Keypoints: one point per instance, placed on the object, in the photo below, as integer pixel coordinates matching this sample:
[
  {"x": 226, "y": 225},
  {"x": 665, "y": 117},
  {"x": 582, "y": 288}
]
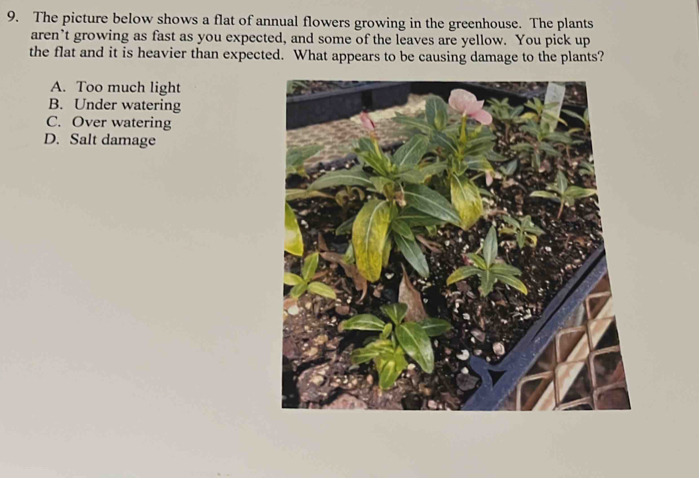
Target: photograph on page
[{"x": 444, "y": 249}]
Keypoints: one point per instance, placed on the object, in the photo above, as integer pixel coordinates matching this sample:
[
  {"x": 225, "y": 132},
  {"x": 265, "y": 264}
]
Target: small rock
[
  {"x": 320, "y": 340},
  {"x": 432, "y": 405},
  {"x": 346, "y": 402},
  {"x": 411, "y": 366},
  {"x": 342, "y": 309},
  {"x": 477, "y": 352},
  {"x": 293, "y": 310},
  {"x": 370, "y": 379},
  {"x": 464, "y": 355},
  {"x": 465, "y": 371},
  {"x": 478, "y": 334},
  {"x": 466, "y": 382},
  {"x": 499, "y": 348},
  {"x": 317, "y": 380},
  {"x": 312, "y": 352}
]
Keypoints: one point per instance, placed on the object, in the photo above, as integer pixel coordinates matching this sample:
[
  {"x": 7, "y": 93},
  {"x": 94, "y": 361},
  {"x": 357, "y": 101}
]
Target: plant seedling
[
  {"x": 541, "y": 110},
  {"x": 561, "y": 192},
  {"x": 488, "y": 270},
  {"x": 585, "y": 118},
  {"x": 506, "y": 114},
  {"x": 524, "y": 231},
  {"x": 542, "y": 143},
  {"x": 395, "y": 339},
  {"x": 301, "y": 284},
  {"x": 587, "y": 169}
]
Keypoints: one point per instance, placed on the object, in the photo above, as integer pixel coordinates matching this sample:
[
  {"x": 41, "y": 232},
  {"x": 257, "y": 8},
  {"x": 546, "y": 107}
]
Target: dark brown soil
[{"x": 316, "y": 355}]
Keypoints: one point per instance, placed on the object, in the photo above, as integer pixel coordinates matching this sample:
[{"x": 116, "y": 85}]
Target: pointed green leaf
[
  {"x": 413, "y": 254},
  {"x": 466, "y": 200},
  {"x": 577, "y": 192},
  {"x": 561, "y": 182},
  {"x": 401, "y": 228},
  {"x": 411, "y": 152},
  {"x": 512, "y": 282},
  {"x": 298, "y": 290},
  {"x": 369, "y": 237},
  {"x": 292, "y": 279},
  {"x": 477, "y": 260},
  {"x": 363, "y": 355},
  {"x": 318, "y": 288},
  {"x": 487, "y": 282},
  {"x": 293, "y": 242},
  {"x": 424, "y": 199},
  {"x": 388, "y": 328},
  {"x": 345, "y": 227},
  {"x": 490, "y": 246},
  {"x": 395, "y": 312},
  {"x": 414, "y": 218},
  {"x": 545, "y": 195},
  {"x": 462, "y": 273},
  {"x": 435, "y": 327},
  {"x": 505, "y": 269},
  {"x": 391, "y": 369},
  {"x": 436, "y": 112},
  {"x": 364, "y": 322},
  {"x": 416, "y": 343},
  {"x": 343, "y": 177},
  {"x": 310, "y": 264}
]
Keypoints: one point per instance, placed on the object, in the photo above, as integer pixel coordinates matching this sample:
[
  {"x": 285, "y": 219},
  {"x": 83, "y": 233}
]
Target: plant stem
[{"x": 560, "y": 210}]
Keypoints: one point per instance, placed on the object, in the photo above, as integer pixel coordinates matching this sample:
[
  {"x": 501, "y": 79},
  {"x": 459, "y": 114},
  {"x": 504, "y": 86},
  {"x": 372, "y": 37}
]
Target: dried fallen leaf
[
  {"x": 432, "y": 246},
  {"x": 360, "y": 283},
  {"x": 409, "y": 295}
]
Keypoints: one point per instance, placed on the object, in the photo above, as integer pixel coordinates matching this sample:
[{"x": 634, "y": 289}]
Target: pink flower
[
  {"x": 367, "y": 122},
  {"x": 467, "y": 104}
]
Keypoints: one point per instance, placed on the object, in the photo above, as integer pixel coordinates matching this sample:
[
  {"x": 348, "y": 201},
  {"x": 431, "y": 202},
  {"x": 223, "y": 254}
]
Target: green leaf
[
  {"x": 561, "y": 183},
  {"x": 462, "y": 273},
  {"x": 477, "y": 260},
  {"x": 388, "y": 245},
  {"x": 369, "y": 237},
  {"x": 433, "y": 169},
  {"x": 545, "y": 195},
  {"x": 512, "y": 282},
  {"x": 490, "y": 246},
  {"x": 509, "y": 168},
  {"x": 435, "y": 327},
  {"x": 401, "y": 228},
  {"x": 511, "y": 221},
  {"x": 487, "y": 282},
  {"x": 296, "y": 194},
  {"x": 364, "y": 322},
  {"x": 395, "y": 312},
  {"x": 388, "y": 328},
  {"x": 413, "y": 254},
  {"x": 378, "y": 162},
  {"x": 414, "y": 218},
  {"x": 364, "y": 355},
  {"x": 416, "y": 343},
  {"x": 577, "y": 192},
  {"x": 411, "y": 152},
  {"x": 348, "y": 256},
  {"x": 293, "y": 242},
  {"x": 298, "y": 290},
  {"x": 292, "y": 279},
  {"x": 413, "y": 123},
  {"x": 295, "y": 157},
  {"x": 380, "y": 183},
  {"x": 505, "y": 269},
  {"x": 391, "y": 369},
  {"x": 549, "y": 150},
  {"x": 345, "y": 227},
  {"x": 467, "y": 201},
  {"x": 318, "y": 288},
  {"x": 477, "y": 163},
  {"x": 412, "y": 176},
  {"x": 424, "y": 199},
  {"x": 445, "y": 142},
  {"x": 343, "y": 177},
  {"x": 310, "y": 264},
  {"x": 436, "y": 112}
]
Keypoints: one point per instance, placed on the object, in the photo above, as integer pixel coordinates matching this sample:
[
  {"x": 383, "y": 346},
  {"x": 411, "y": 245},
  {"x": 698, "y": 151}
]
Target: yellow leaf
[
  {"x": 369, "y": 237},
  {"x": 293, "y": 242},
  {"x": 466, "y": 200}
]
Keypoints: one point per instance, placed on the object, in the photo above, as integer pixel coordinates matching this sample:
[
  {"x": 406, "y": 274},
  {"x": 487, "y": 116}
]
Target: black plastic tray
[{"x": 314, "y": 108}]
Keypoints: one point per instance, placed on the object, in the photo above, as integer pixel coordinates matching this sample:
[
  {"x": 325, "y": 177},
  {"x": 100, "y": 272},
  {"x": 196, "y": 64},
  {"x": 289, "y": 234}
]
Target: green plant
[
  {"x": 301, "y": 284},
  {"x": 293, "y": 85},
  {"x": 540, "y": 111},
  {"x": 561, "y": 192},
  {"x": 506, "y": 114},
  {"x": 458, "y": 149},
  {"x": 295, "y": 159},
  {"x": 541, "y": 144},
  {"x": 524, "y": 230},
  {"x": 399, "y": 203},
  {"x": 395, "y": 339},
  {"x": 487, "y": 269},
  {"x": 584, "y": 119},
  {"x": 587, "y": 169}
]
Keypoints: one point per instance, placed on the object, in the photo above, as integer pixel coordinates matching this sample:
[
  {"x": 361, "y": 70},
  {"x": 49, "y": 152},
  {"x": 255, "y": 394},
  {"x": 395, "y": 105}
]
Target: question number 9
[{"x": 11, "y": 16}]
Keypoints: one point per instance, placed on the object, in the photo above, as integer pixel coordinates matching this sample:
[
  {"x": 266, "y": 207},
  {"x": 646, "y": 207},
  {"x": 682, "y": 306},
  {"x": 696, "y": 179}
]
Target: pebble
[
  {"x": 464, "y": 355},
  {"x": 346, "y": 402},
  {"x": 343, "y": 309},
  {"x": 499, "y": 348},
  {"x": 466, "y": 382},
  {"x": 411, "y": 366},
  {"x": 478, "y": 334},
  {"x": 320, "y": 340},
  {"x": 389, "y": 275},
  {"x": 293, "y": 310},
  {"x": 432, "y": 405},
  {"x": 465, "y": 371},
  {"x": 370, "y": 379},
  {"x": 312, "y": 352}
]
